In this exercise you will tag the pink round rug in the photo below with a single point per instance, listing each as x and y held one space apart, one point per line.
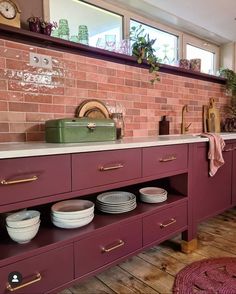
207 276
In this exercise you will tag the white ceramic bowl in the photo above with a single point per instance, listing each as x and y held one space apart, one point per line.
73 209
72 224
153 191
23 235
23 219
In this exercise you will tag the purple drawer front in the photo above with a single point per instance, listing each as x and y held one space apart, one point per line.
106 167
92 253
46 271
158 160
164 223
44 176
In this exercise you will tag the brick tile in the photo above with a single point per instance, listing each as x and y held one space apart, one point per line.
55 90
11 53
23 107
87 85
106 71
2 62
97 94
22 86
4 127
3 105
94 77
140 105
47 108
116 80
106 87
38 117
23 127
39 136
8 116
12 137
64 100
86 67
132 83
39 98
15 45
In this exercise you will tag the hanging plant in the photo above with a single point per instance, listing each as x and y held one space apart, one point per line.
230 76
142 49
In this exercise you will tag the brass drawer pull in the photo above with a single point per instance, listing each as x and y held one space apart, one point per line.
172 221
228 150
120 244
4 182
38 278
102 168
171 158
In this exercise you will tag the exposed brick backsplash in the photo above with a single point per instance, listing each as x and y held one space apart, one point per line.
29 96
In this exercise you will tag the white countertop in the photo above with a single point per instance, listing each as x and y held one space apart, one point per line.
13 150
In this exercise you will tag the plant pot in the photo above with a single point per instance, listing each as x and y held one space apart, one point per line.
34 27
47 30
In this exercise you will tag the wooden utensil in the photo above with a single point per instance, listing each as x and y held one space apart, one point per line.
213 119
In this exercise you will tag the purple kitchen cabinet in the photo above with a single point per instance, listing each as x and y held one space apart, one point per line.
211 195
234 176
105 167
164 223
40 273
165 159
100 249
33 177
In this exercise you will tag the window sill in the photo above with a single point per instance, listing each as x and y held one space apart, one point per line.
27 37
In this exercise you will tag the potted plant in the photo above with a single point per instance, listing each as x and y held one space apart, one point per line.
230 75
46 27
34 24
142 49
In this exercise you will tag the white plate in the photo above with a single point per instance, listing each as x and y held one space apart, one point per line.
118 211
72 225
152 199
116 204
116 197
152 191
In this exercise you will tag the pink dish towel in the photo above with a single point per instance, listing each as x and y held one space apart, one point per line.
216 145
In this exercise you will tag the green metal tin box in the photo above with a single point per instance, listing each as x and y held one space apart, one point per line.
76 130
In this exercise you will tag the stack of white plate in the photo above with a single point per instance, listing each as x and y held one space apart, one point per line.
72 214
153 194
116 202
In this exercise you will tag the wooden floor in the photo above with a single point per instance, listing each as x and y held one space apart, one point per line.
153 271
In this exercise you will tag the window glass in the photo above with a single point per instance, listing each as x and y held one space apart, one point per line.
79 21
166 44
207 58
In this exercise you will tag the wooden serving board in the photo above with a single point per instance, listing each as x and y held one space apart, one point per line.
213 119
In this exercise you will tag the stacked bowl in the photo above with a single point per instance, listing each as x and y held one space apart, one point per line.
153 194
72 214
23 226
116 202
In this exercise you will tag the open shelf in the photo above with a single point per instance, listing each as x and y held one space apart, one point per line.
40 40
50 237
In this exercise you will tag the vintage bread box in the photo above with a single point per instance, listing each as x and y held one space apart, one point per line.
75 130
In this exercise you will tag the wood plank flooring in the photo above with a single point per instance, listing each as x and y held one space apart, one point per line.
153 271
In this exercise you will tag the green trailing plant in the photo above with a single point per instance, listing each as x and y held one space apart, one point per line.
142 49
230 76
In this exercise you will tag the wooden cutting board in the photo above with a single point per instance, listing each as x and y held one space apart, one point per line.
213 119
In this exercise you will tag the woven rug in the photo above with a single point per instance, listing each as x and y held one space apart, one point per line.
207 276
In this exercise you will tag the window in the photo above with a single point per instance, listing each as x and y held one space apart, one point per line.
207 58
166 44
208 53
77 18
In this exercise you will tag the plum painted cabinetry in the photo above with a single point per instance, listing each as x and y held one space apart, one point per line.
108 238
234 175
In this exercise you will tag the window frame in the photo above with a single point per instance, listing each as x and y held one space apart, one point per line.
202 44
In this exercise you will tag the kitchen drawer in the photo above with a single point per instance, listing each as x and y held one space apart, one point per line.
159 160
33 177
120 240
105 167
164 223
46 271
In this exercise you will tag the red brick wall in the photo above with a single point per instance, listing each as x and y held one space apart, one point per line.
29 96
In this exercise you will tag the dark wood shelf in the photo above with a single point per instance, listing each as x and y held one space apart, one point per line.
40 40
50 237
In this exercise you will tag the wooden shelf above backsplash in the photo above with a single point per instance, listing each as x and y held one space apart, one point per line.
40 40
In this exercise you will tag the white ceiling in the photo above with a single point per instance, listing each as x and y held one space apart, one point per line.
211 19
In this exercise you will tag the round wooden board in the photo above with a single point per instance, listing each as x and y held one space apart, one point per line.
92 108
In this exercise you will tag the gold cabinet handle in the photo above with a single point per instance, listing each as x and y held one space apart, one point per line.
102 168
4 182
228 150
120 244
172 221
38 278
171 158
